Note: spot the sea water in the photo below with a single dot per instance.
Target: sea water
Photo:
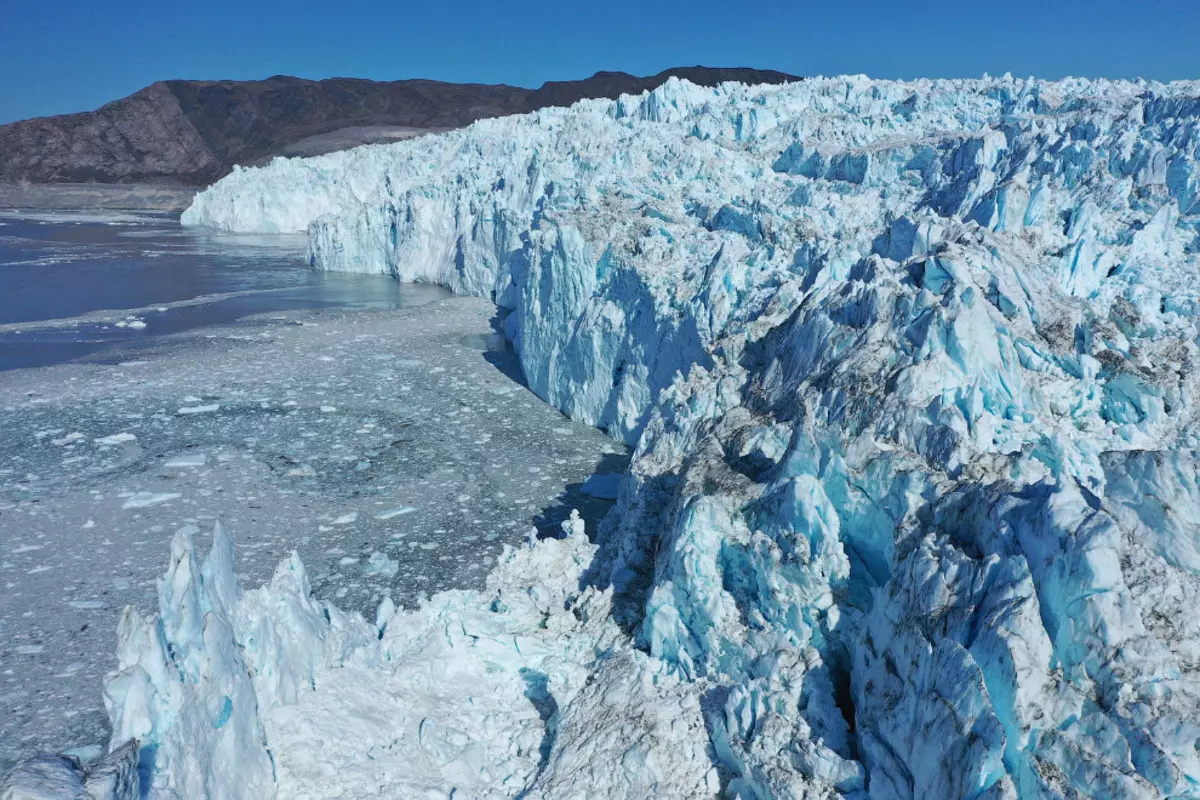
(78, 285)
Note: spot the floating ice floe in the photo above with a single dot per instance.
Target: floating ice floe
(204, 409)
(116, 438)
(381, 566)
(68, 439)
(85, 605)
(147, 499)
(392, 513)
(187, 460)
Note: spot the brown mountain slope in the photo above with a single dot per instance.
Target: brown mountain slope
(190, 133)
(145, 137)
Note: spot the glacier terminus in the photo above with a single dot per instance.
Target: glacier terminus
(909, 370)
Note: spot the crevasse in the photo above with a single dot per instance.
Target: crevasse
(913, 511)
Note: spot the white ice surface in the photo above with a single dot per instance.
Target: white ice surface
(144, 499)
(910, 371)
(484, 694)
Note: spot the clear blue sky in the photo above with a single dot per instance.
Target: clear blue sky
(58, 56)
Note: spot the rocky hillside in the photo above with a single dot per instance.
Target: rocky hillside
(191, 133)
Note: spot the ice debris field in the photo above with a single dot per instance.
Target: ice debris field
(392, 449)
(913, 511)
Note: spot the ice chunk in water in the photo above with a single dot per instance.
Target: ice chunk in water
(146, 499)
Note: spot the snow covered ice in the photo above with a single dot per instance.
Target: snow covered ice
(913, 510)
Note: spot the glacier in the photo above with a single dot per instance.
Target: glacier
(914, 507)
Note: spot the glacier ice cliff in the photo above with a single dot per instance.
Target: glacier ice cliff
(914, 509)
(510, 691)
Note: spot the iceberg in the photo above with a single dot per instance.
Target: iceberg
(909, 371)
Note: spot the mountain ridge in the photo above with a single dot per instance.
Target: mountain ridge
(190, 133)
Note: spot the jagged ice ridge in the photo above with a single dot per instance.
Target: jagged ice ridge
(914, 507)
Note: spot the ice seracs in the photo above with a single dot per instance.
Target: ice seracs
(896, 357)
(910, 372)
(527, 688)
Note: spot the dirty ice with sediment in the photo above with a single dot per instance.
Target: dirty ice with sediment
(913, 509)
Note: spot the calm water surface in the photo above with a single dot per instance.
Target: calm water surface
(60, 272)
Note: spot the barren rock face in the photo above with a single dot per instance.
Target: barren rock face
(145, 137)
(191, 133)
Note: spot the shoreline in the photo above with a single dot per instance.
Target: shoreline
(95, 197)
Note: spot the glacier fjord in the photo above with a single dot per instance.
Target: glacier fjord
(914, 510)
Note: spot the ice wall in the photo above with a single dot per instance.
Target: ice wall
(525, 689)
(910, 372)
